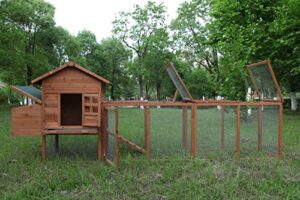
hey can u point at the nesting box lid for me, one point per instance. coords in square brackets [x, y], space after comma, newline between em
[69, 64]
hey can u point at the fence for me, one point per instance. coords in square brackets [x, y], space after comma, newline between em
[161, 130]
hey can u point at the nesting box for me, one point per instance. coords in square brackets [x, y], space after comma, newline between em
[69, 102]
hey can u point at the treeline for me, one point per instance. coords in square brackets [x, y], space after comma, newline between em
[210, 41]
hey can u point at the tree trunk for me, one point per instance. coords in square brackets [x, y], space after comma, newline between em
[141, 85]
[158, 91]
[293, 101]
[112, 92]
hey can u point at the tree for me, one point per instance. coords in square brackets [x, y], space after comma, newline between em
[191, 34]
[135, 29]
[251, 31]
[26, 23]
[116, 56]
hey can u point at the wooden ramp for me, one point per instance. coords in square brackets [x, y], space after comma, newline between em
[132, 145]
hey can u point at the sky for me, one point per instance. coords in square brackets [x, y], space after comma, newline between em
[97, 15]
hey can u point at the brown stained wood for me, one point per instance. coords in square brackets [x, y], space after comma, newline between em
[147, 130]
[238, 131]
[51, 110]
[132, 144]
[69, 65]
[194, 130]
[71, 131]
[258, 63]
[259, 145]
[26, 120]
[91, 110]
[184, 127]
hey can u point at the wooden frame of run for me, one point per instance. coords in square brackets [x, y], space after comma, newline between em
[194, 105]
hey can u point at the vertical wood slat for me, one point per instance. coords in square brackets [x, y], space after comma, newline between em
[222, 127]
[280, 148]
[259, 128]
[184, 127]
[194, 130]
[117, 137]
[147, 130]
[238, 131]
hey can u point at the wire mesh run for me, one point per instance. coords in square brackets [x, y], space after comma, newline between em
[170, 132]
[112, 136]
[216, 130]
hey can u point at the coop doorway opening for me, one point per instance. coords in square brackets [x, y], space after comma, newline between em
[71, 109]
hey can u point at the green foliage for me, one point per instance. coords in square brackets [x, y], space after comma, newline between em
[24, 27]
[136, 29]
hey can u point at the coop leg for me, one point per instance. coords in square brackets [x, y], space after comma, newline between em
[43, 147]
[99, 145]
[56, 143]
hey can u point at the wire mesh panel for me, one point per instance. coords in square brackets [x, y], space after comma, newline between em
[249, 118]
[131, 128]
[170, 132]
[112, 137]
[216, 130]
[270, 129]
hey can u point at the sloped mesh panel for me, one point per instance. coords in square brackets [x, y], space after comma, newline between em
[216, 130]
[263, 80]
[167, 137]
[111, 136]
[270, 129]
[178, 84]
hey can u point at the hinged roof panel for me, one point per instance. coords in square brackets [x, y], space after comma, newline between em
[264, 81]
[30, 92]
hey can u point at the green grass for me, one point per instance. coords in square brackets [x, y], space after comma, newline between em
[75, 174]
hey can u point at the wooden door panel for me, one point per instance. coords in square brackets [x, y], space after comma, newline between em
[90, 110]
[51, 110]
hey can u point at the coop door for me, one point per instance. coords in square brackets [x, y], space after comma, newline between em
[91, 110]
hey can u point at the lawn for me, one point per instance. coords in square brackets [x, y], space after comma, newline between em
[74, 173]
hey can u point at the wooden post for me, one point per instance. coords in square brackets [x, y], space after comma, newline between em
[238, 131]
[56, 143]
[117, 137]
[194, 130]
[184, 127]
[222, 127]
[99, 144]
[147, 130]
[259, 128]
[43, 147]
[280, 148]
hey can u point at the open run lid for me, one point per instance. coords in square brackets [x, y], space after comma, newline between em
[178, 82]
[30, 92]
[264, 81]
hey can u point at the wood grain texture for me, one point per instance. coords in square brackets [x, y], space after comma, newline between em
[26, 120]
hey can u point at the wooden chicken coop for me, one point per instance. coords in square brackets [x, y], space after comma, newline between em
[69, 102]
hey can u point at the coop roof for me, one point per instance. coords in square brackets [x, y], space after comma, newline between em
[30, 92]
[69, 64]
